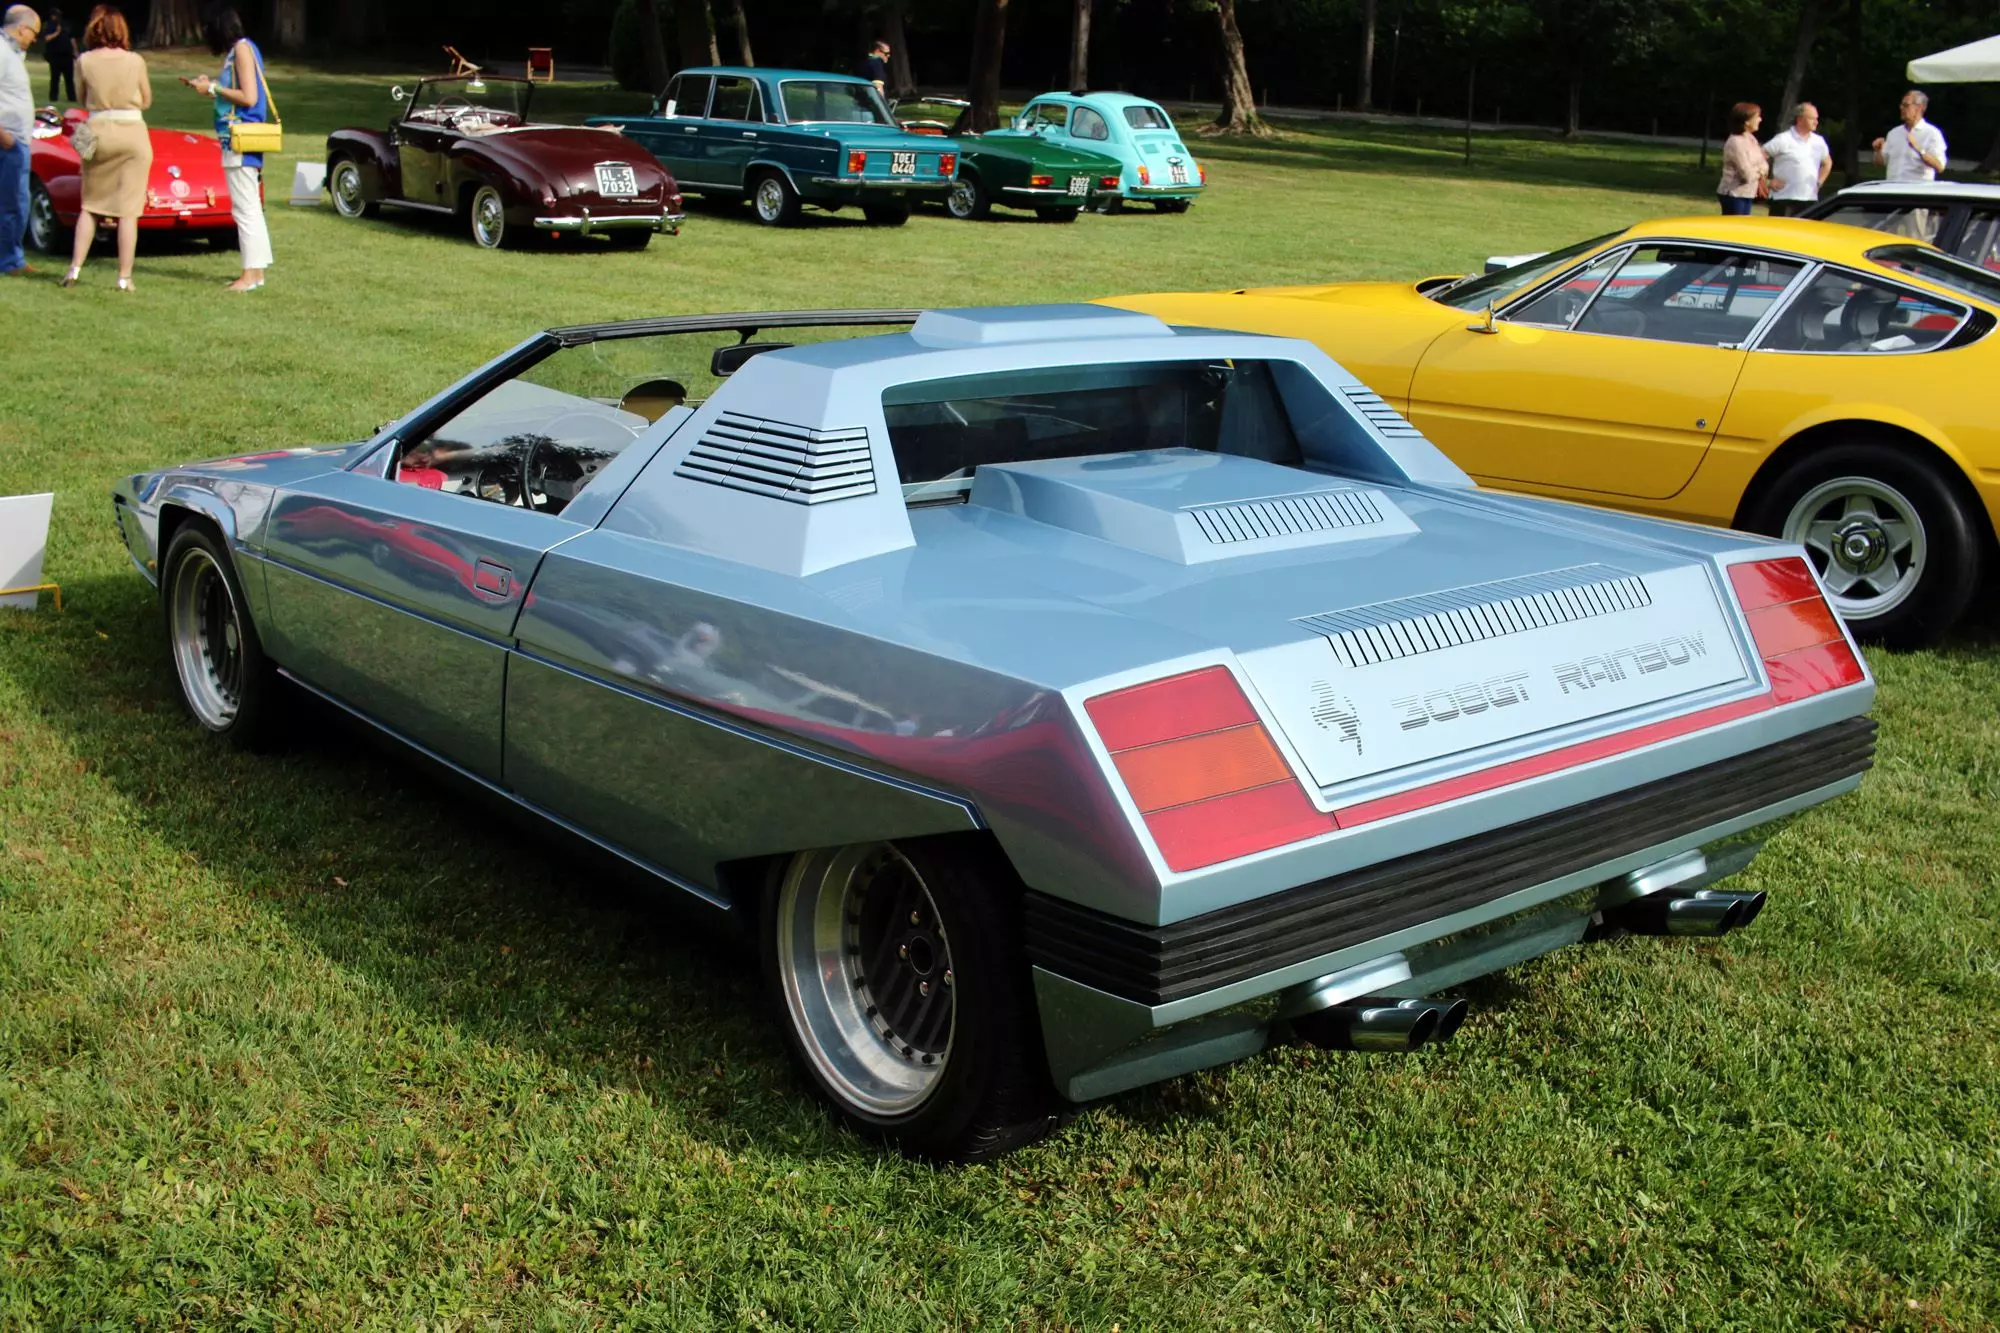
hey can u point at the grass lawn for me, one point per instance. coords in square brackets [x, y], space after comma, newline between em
[295, 1040]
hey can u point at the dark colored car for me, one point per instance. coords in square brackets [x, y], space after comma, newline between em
[463, 145]
[1012, 168]
[785, 138]
[1959, 217]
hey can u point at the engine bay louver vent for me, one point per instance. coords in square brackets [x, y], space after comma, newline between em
[786, 462]
[1385, 419]
[1286, 515]
[1387, 631]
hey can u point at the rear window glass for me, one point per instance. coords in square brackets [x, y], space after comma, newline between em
[945, 430]
[1931, 266]
[841, 103]
[1147, 118]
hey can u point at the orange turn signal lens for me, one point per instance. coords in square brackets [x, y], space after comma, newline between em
[1145, 176]
[1196, 768]
[1039, 182]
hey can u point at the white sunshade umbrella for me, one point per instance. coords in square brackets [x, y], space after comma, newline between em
[1975, 62]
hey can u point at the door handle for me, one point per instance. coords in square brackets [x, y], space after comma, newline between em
[687, 129]
[749, 134]
[495, 580]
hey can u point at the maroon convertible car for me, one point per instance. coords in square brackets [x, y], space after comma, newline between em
[463, 145]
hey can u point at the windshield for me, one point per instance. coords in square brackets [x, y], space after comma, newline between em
[944, 430]
[842, 103]
[471, 106]
[1481, 290]
[1940, 269]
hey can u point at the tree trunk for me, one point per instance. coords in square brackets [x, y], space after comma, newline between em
[1573, 113]
[354, 22]
[1239, 104]
[741, 22]
[696, 31]
[1471, 71]
[902, 83]
[288, 25]
[1079, 47]
[1801, 53]
[1850, 152]
[1366, 101]
[172, 23]
[989, 35]
[1707, 124]
[653, 46]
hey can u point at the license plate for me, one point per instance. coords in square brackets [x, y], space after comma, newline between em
[1177, 172]
[902, 164]
[1079, 186]
[616, 179]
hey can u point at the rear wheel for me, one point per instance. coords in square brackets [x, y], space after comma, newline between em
[1897, 548]
[1174, 205]
[967, 200]
[226, 682]
[886, 215]
[776, 202]
[1111, 204]
[487, 215]
[350, 190]
[45, 230]
[904, 994]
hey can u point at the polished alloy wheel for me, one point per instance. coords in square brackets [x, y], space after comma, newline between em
[1866, 540]
[44, 231]
[866, 969]
[489, 218]
[348, 199]
[770, 199]
[207, 635]
[962, 202]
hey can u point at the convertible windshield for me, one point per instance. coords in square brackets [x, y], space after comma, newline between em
[842, 103]
[1944, 271]
[470, 105]
[1476, 293]
[944, 430]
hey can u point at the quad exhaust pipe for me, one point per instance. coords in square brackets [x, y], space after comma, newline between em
[1377, 1023]
[1704, 912]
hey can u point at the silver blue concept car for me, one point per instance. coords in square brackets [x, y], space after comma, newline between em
[1065, 701]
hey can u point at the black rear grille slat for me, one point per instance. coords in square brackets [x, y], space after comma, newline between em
[1158, 964]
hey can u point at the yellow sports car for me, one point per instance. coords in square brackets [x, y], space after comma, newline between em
[1818, 382]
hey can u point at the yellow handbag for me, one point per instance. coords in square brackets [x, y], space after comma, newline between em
[258, 136]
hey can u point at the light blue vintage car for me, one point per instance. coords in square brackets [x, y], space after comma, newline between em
[1061, 701]
[1157, 166]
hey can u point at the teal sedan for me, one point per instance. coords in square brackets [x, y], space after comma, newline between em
[1155, 165]
[785, 139]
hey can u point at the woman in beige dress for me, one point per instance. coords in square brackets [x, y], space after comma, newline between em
[111, 78]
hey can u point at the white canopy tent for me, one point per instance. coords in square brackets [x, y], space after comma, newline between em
[1975, 62]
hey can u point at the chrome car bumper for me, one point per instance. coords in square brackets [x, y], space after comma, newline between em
[939, 183]
[1053, 196]
[586, 225]
[1123, 1004]
[1162, 191]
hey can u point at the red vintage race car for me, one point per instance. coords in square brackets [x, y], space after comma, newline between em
[186, 193]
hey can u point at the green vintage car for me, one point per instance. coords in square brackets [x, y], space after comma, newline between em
[1010, 167]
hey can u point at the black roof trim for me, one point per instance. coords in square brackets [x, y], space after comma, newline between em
[744, 322]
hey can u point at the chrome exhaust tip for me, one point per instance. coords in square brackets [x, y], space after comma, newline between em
[1450, 1014]
[1372, 1024]
[1673, 914]
[1752, 903]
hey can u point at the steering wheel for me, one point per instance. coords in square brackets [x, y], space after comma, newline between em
[576, 430]
[449, 107]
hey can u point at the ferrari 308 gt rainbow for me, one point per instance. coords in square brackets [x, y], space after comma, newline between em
[1061, 701]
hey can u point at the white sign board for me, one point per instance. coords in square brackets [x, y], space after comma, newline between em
[24, 535]
[308, 181]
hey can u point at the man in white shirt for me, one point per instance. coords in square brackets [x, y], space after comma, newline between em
[19, 27]
[1914, 150]
[1800, 161]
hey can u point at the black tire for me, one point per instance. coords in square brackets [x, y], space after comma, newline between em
[1110, 205]
[774, 201]
[1057, 214]
[45, 231]
[1839, 500]
[347, 185]
[630, 238]
[942, 912]
[886, 215]
[226, 683]
[967, 199]
[1174, 205]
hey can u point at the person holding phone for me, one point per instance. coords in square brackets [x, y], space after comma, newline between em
[240, 93]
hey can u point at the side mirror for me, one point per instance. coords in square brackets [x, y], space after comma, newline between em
[1485, 325]
[726, 361]
[397, 94]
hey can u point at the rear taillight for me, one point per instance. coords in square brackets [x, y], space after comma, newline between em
[947, 163]
[1107, 182]
[1145, 176]
[1205, 774]
[1204, 172]
[1040, 182]
[1794, 629]
[857, 162]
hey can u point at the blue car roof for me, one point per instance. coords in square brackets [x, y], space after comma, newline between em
[764, 72]
[1107, 99]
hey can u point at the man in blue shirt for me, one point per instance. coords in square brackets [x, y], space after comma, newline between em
[18, 29]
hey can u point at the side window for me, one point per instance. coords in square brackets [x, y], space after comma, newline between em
[1558, 307]
[1845, 312]
[686, 97]
[1047, 116]
[735, 99]
[1981, 242]
[1087, 124]
[1688, 294]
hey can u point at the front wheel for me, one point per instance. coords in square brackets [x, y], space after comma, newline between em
[488, 217]
[226, 682]
[904, 994]
[45, 230]
[967, 200]
[886, 215]
[1898, 550]
[776, 202]
[350, 190]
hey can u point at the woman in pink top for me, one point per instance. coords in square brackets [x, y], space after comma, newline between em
[1744, 166]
